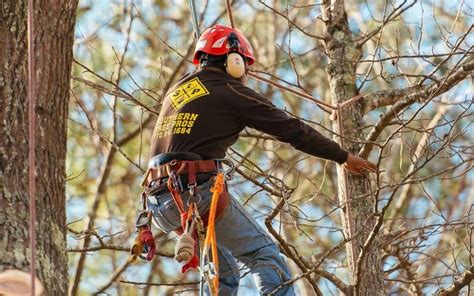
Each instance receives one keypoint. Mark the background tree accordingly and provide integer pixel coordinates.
(409, 228)
(53, 41)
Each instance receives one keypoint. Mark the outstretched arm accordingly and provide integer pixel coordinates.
(258, 112)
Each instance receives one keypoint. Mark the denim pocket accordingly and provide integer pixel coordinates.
(166, 215)
(205, 197)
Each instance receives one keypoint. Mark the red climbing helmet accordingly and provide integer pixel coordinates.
(216, 41)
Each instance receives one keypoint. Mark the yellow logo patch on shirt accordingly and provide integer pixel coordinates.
(187, 92)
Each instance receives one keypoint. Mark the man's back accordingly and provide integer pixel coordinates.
(196, 116)
(205, 112)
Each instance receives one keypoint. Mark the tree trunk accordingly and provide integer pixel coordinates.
(358, 215)
(54, 36)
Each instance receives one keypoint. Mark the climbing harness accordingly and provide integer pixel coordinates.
(192, 224)
(186, 248)
(196, 247)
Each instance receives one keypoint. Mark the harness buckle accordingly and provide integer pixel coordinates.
(176, 181)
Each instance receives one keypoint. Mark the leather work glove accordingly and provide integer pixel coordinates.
(358, 165)
(144, 242)
(147, 239)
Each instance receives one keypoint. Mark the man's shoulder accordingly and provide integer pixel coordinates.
(184, 76)
(244, 92)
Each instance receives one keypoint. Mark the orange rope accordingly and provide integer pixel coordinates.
(216, 190)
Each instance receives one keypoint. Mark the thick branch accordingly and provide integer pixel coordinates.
(425, 93)
(161, 284)
(460, 283)
(387, 97)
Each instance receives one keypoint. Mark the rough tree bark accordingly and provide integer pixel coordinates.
(343, 55)
(54, 36)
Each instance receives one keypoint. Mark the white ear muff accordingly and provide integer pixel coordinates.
(235, 65)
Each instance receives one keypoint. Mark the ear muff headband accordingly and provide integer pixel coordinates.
(235, 64)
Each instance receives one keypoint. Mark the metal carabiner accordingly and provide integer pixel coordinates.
(143, 219)
(228, 173)
(194, 196)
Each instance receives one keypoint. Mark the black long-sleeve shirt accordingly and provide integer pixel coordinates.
(205, 111)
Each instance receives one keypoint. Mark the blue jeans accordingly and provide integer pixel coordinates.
(239, 237)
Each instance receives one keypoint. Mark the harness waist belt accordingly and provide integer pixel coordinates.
(165, 158)
(201, 166)
(160, 187)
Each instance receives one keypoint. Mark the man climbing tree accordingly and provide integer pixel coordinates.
(53, 38)
(202, 115)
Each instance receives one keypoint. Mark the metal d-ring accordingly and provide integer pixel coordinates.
(143, 219)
